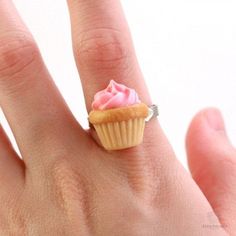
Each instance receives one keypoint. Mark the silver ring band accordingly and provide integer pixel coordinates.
(153, 112)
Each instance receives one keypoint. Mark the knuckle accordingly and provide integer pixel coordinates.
(103, 49)
(69, 186)
(12, 222)
(18, 225)
(17, 54)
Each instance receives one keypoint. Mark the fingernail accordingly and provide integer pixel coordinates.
(214, 119)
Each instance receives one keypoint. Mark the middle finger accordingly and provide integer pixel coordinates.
(30, 100)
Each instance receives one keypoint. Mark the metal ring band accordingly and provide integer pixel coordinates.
(153, 112)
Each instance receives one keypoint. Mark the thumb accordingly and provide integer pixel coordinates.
(212, 162)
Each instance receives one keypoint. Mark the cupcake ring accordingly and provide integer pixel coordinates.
(119, 117)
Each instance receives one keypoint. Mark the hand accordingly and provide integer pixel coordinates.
(66, 183)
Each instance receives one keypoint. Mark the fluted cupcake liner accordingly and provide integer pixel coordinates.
(122, 134)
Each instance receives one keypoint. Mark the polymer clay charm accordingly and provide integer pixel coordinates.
(118, 117)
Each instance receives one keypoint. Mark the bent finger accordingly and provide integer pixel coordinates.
(212, 161)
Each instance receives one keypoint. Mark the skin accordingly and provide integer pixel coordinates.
(66, 183)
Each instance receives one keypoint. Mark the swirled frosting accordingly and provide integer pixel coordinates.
(114, 96)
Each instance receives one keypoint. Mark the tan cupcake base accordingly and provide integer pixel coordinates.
(121, 135)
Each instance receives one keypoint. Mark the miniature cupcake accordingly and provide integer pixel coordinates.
(118, 117)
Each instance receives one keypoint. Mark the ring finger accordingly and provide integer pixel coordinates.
(103, 47)
(103, 51)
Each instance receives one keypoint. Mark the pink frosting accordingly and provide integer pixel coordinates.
(114, 96)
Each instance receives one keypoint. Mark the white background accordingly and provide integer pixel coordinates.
(186, 49)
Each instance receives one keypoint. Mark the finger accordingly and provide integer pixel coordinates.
(103, 47)
(30, 100)
(11, 166)
(212, 161)
(103, 51)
